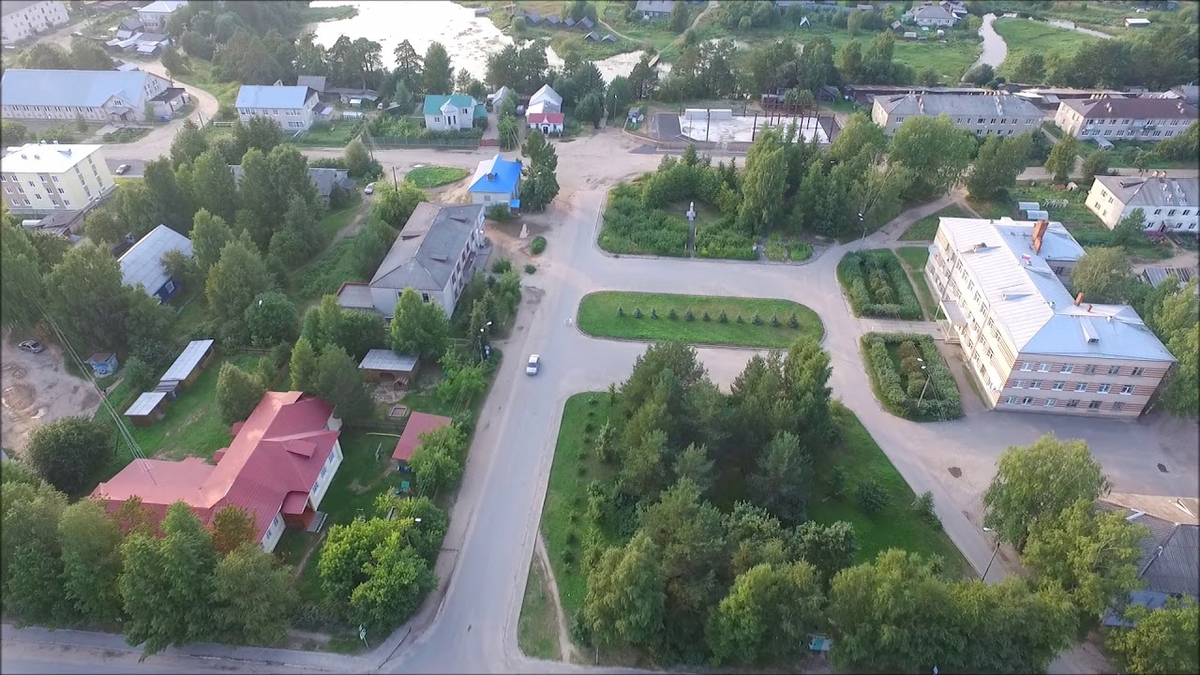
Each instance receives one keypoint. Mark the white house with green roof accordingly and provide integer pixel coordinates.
(451, 112)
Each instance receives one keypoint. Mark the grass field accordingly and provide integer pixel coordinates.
(598, 317)
(925, 228)
(335, 221)
(537, 629)
(914, 258)
(896, 525)
(337, 135)
(434, 176)
(1025, 36)
(201, 77)
(192, 426)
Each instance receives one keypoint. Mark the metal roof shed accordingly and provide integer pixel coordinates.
(190, 362)
(147, 409)
(386, 366)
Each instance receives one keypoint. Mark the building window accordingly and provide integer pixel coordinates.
(1119, 405)
(1114, 370)
(1067, 368)
(1127, 390)
(1026, 366)
(55, 179)
(1009, 400)
(1043, 367)
(1051, 402)
(1081, 386)
(1091, 370)
(1138, 372)
(1094, 405)
(1104, 389)
(1058, 386)
(1035, 384)
(1027, 401)
(66, 202)
(1019, 384)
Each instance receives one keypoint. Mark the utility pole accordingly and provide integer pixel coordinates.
(395, 182)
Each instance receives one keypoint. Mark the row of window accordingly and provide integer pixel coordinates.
(265, 111)
(1160, 121)
(1121, 132)
(1071, 403)
(16, 201)
(1126, 389)
(1088, 369)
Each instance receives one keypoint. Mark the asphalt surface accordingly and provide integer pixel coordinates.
(470, 624)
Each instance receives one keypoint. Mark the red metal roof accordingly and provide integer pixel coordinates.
(548, 117)
(418, 423)
(279, 450)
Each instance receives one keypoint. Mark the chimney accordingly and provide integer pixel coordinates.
(1089, 309)
(1039, 231)
(1078, 299)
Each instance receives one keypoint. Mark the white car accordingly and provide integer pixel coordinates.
(122, 170)
(532, 367)
(370, 189)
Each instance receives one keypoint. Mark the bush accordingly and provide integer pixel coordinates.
(836, 481)
(501, 266)
(673, 315)
(723, 239)
(899, 389)
(631, 227)
(653, 313)
(793, 322)
(530, 269)
(689, 316)
(740, 320)
(756, 319)
(537, 245)
(637, 312)
(923, 507)
(706, 317)
(875, 283)
(775, 321)
(871, 496)
(499, 212)
(620, 311)
(723, 318)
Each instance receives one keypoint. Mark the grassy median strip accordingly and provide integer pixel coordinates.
(614, 314)
(537, 629)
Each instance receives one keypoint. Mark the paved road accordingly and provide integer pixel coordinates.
(470, 626)
(158, 142)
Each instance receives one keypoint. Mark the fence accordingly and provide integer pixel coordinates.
(425, 142)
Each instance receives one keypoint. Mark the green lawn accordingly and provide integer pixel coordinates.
(202, 77)
(780, 249)
(598, 317)
(192, 426)
(914, 258)
(925, 228)
(896, 525)
(1123, 153)
(336, 135)
(1025, 36)
(337, 220)
(434, 176)
(537, 629)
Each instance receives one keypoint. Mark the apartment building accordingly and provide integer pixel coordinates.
(1125, 119)
(293, 108)
(1029, 344)
(40, 178)
(1169, 204)
(155, 15)
(983, 115)
(102, 95)
(22, 19)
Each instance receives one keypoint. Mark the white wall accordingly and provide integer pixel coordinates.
(325, 478)
(35, 18)
(274, 532)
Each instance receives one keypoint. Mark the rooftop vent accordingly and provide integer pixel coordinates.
(1088, 335)
(1078, 299)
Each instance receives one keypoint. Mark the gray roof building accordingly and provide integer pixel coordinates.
(73, 88)
(322, 177)
(142, 263)
(314, 82)
(1170, 564)
(985, 114)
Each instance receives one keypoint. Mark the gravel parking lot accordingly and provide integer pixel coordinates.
(36, 389)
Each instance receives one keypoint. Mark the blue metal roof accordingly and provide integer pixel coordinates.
(496, 175)
(82, 88)
(258, 96)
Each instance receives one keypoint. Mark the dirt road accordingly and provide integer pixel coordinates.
(36, 390)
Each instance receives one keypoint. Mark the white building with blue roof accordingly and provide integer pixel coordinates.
(292, 107)
(105, 95)
(497, 181)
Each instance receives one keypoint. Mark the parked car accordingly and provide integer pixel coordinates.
(123, 169)
(370, 189)
(532, 367)
(32, 346)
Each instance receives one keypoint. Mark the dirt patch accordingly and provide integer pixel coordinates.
(955, 471)
(36, 390)
(533, 295)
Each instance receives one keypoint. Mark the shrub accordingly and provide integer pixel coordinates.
(499, 212)
(756, 319)
(706, 317)
(871, 496)
(620, 311)
(530, 269)
(637, 312)
(501, 266)
(740, 319)
(875, 284)
(899, 389)
(775, 321)
(673, 315)
(631, 227)
(689, 316)
(537, 245)
(723, 318)
(793, 322)
(836, 481)
(653, 313)
(923, 507)
(723, 239)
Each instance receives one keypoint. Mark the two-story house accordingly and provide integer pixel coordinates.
(154, 16)
(292, 107)
(452, 112)
(1169, 204)
(1125, 119)
(101, 95)
(434, 255)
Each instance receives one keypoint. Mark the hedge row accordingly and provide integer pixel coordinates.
(899, 388)
(877, 286)
(630, 227)
(723, 239)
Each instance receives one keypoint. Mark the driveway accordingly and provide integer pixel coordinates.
(158, 142)
(469, 624)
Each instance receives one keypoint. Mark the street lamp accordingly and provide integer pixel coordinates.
(482, 330)
(926, 371)
(993, 558)
(863, 222)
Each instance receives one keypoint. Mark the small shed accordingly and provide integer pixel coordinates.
(147, 409)
(1134, 22)
(418, 423)
(103, 364)
(387, 367)
(609, 38)
(1028, 206)
(1035, 214)
(187, 367)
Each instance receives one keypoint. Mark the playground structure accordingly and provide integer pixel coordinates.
(720, 125)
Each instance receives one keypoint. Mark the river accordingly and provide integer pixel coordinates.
(995, 49)
(467, 38)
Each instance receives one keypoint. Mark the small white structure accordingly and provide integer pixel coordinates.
(1132, 22)
(544, 100)
(452, 112)
(155, 15)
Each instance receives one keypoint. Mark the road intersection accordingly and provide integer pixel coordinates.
(469, 624)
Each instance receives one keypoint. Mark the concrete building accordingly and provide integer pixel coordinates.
(278, 468)
(1125, 119)
(999, 114)
(452, 112)
(39, 178)
(23, 19)
(155, 15)
(1169, 204)
(293, 108)
(103, 95)
(435, 255)
(1029, 344)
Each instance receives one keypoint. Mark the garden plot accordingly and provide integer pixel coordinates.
(909, 376)
(876, 285)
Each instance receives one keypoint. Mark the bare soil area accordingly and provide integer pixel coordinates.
(36, 389)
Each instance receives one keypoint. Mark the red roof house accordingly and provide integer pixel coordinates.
(418, 423)
(548, 122)
(278, 468)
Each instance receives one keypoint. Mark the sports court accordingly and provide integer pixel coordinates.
(721, 126)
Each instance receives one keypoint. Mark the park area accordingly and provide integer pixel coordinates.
(697, 319)
(877, 286)
(910, 377)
